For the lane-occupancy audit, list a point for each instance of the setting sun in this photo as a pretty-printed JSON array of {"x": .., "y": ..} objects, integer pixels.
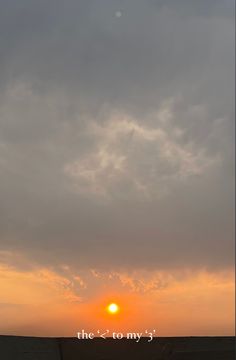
[{"x": 113, "y": 308}]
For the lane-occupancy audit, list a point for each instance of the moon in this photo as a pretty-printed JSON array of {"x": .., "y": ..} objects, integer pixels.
[{"x": 118, "y": 14}]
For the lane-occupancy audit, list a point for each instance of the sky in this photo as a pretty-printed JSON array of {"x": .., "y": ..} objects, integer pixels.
[{"x": 117, "y": 166}]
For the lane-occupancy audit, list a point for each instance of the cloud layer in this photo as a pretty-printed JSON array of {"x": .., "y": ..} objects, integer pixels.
[{"x": 116, "y": 145}]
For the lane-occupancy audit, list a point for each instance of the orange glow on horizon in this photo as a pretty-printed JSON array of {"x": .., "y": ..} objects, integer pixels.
[{"x": 42, "y": 302}]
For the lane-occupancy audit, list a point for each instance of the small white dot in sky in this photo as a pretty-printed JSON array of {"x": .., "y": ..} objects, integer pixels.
[{"x": 118, "y": 14}]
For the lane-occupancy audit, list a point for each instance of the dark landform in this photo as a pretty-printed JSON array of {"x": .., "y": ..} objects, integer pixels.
[{"x": 161, "y": 348}]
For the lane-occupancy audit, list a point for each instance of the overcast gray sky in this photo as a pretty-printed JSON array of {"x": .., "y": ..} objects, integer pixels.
[{"x": 116, "y": 133}]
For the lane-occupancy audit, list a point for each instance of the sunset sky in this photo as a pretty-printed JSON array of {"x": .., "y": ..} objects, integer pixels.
[{"x": 116, "y": 166}]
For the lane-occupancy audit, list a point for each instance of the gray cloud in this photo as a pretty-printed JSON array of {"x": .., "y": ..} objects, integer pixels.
[{"x": 116, "y": 145}]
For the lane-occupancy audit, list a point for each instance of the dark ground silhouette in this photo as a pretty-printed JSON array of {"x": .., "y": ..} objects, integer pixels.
[{"x": 172, "y": 348}]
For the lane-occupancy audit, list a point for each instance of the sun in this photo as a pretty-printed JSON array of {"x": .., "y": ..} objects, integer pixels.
[{"x": 113, "y": 308}]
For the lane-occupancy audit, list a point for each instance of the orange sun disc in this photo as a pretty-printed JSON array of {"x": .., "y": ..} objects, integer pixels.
[{"x": 113, "y": 308}]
